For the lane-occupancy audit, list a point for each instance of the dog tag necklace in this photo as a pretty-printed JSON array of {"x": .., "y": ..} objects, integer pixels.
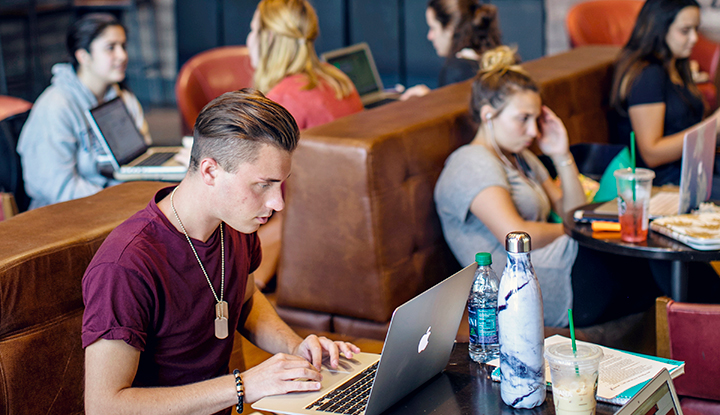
[{"x": 221, "y": 307}]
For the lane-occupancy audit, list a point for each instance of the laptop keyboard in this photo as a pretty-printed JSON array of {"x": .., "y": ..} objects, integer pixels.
[
  {"x": 664, "y": 204},
  {"x": 156, "y": 159},
  {"x": 349, "y": 398}
]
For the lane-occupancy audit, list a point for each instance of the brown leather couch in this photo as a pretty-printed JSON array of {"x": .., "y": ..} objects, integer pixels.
[
  {"x": 43, "y": 255},
  {"x": 361, "y": 235}
]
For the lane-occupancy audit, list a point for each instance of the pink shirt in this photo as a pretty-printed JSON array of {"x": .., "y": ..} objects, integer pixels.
[{"x": 315, "y": 106}]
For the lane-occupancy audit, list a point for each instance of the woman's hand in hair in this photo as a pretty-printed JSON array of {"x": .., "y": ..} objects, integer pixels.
[{"x": 552, "y": 135}]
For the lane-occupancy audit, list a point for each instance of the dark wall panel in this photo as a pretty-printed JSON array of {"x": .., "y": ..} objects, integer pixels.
[
  {"x": 523, "y": 24},
  {"x": 376, "y": 22},
  {"x": 236, "y": 18},
  {"x": 196, "y": 27},
  {"x": 331, "y": 15}
]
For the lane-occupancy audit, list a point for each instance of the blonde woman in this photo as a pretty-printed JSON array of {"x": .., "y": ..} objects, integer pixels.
[
  {"x": 495, "y": 185},
  {"x": 287, "y": 69}
]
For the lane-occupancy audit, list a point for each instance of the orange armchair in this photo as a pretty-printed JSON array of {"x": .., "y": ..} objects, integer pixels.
[
  {"x": 691, "y": 333},
  {"x": 602, "y": 22},
  {"x": 208, "y": 75}
]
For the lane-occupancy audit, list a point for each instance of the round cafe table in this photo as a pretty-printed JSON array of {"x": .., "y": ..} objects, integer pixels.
[{"x": 656, "y": 246}]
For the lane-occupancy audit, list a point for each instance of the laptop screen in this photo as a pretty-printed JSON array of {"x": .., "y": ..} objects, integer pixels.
[
  {"x": 660, "y": 403},
  {"x": 119, "y": 130},
  {"x": 697, "y": 165},
  {"x": 356, "y": 66}
]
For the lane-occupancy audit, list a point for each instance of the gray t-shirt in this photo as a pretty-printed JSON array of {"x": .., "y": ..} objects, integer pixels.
[{"x": 473, "y": 168}]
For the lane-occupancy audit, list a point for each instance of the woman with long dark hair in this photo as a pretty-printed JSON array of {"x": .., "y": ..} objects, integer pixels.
[
  {"x": 653, "y": 92},
  {"x": 61, "y": 157}
]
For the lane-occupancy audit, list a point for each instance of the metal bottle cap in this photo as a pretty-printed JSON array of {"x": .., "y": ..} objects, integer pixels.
[{"x": 517, "y": 242}]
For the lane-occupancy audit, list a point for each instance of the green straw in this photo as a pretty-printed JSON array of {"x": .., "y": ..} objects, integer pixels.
[
  {"x": 572, "y": 337},
  {"x": 632, "y": 160},
  {"x": 572, "y": 330},
  {"x": 632, "y": 151}
]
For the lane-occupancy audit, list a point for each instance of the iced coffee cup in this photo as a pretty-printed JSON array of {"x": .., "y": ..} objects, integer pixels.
[
  {"x": 633, "y": 202},
  {"x": 574, "y": 377}
]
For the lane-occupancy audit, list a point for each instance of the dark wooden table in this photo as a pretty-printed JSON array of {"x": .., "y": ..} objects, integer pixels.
[
  {"x": 656, "y": 246},
  {"x": 465, "y": 387}
]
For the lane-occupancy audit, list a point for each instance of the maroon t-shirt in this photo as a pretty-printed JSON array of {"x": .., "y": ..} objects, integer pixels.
[{"x": 144, "y": 286}]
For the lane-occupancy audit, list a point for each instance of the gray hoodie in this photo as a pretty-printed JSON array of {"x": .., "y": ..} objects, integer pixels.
[{"x": 60, "y": 154}]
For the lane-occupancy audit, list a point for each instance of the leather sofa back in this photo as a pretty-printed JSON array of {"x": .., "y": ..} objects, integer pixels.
[
  {"x": 361, "y": 235},
  {"x": 43, "y": 256}
]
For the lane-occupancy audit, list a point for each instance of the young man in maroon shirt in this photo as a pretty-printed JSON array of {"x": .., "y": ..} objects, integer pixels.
[{"x": 168, "y": 287}]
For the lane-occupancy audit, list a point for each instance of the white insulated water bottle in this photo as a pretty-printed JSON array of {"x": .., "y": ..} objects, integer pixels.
[{"x": 520, "y": 326}]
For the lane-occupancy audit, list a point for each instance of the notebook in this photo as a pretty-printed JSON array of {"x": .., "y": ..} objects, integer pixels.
[
  {"x": 128, "y": 154},
  {"x": 417, "y": 346},
  {"x": 357, "y": 63},
  {"x": 657, "y": 397},
  {"x": 695, "y": 178}
]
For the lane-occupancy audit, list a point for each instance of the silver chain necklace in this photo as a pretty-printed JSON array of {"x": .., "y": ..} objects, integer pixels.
[{"x": 221, "y": 307}]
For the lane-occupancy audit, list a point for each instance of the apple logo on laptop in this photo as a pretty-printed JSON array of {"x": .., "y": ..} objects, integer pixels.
[{"x": 424, "y": 340}]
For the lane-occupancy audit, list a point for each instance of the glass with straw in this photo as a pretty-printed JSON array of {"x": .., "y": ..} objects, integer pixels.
[
  {"x": 634, "y": 186},
  {"x": 574, "y": 373}
]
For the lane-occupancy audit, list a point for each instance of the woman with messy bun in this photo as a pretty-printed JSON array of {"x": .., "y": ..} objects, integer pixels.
[
  {"x": 460, "y": 31},
  {"x": 495, "y": 185},
  {"x": 287, "y": 69}
]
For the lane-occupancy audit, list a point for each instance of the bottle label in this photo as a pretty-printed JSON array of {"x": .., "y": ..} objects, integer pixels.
[{"x": 483, "y": 326}]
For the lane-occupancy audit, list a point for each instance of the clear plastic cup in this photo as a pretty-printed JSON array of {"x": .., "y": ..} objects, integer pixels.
[
  {"x": 574, "y": 377},
  {"x": 633, "y": 202}
]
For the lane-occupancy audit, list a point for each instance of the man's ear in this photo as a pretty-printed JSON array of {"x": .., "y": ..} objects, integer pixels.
[{"x": 208, "y": 170}]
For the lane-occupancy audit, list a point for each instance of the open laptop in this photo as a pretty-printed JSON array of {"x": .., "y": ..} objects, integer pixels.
[
  {"x": 418, "y": 345},
  {"x": 127, "y": 152},
  {"x": 357, "y": 63},
  {"x": 657, "y": 397},
  {"x": 695, "y": 179}
]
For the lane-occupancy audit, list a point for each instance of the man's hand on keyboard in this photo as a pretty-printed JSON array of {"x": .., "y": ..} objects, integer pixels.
[
  {"x": 278, "y": 375},
  {"x": 315, "y": 349}
]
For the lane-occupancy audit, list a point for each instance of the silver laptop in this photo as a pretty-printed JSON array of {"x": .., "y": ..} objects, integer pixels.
[
  {"x": 357, "y": 63},
  {"x": 696, "y": 175},
  {"x": 657, "y": 397},
  {"x": 417, "y": 347},
  {"x": 127, "y": 152}
]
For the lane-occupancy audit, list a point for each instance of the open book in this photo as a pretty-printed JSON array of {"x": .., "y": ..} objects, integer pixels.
[{"x": 622, "y": 374}]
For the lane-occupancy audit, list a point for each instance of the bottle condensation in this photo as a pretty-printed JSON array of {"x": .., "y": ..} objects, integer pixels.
[{"x": 482, "y": 311}]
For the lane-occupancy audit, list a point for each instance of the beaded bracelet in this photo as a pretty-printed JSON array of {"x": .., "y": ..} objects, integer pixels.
[{"x": 240, "y": 390}]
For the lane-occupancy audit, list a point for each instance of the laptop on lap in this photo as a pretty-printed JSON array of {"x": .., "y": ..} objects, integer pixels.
[
  {"x": 357, "y": 63},
  {"x": 417, "y": 347},
  {"x": 128, "y": 154}
]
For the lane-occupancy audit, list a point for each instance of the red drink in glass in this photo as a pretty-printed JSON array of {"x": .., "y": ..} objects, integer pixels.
[{"x": 633, "y": 226}]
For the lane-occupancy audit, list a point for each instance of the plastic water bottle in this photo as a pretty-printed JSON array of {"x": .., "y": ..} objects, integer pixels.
[
  {"x": 482, "y": 311},
  {"x": 520, "y": 323}
]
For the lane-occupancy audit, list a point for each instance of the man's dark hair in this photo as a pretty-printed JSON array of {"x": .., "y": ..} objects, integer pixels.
[{"x": 232, "y": 128}]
